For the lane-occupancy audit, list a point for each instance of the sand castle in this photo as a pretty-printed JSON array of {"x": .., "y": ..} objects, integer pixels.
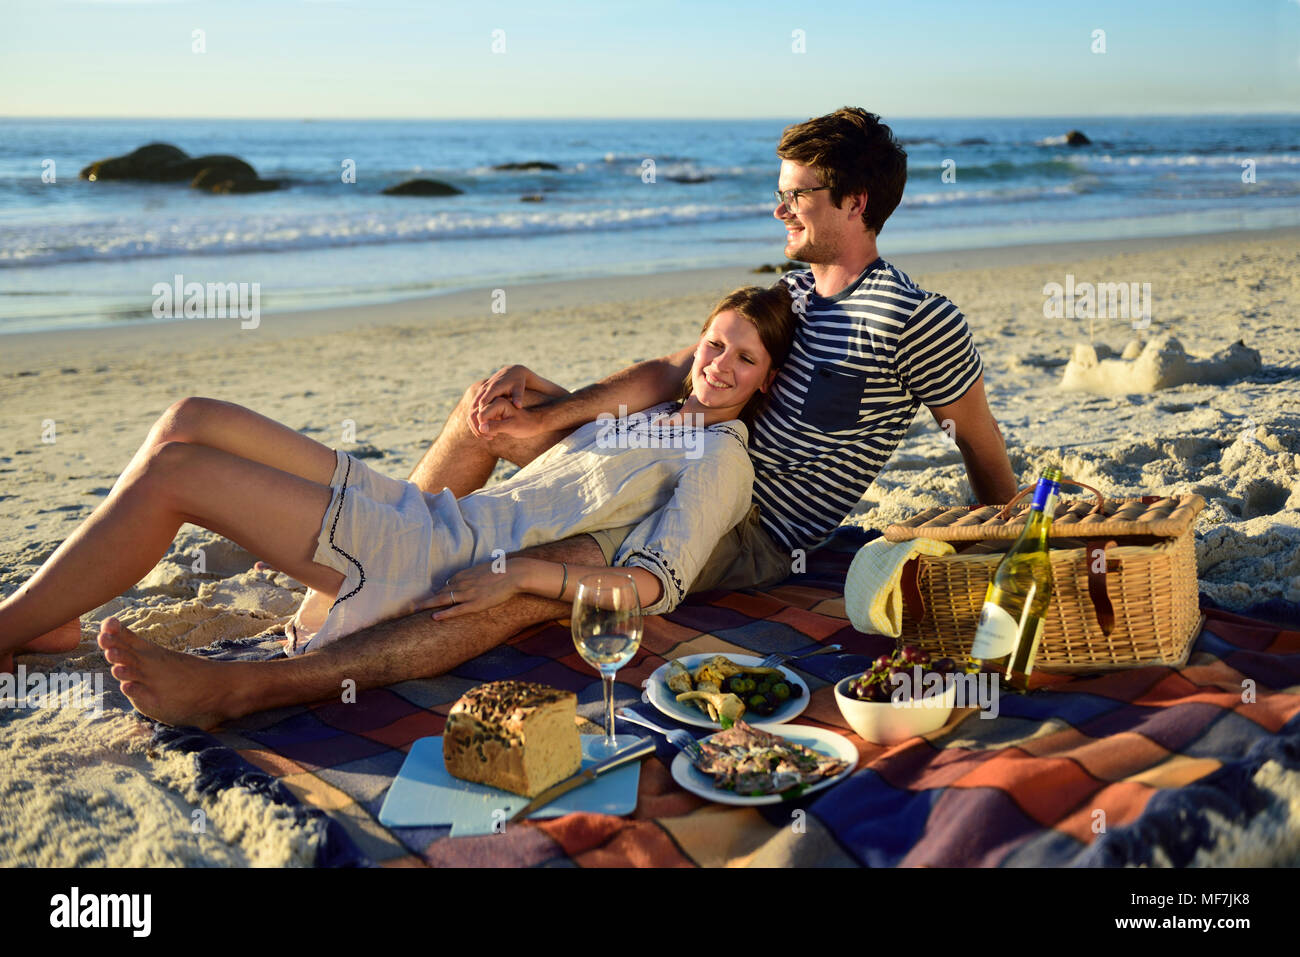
[{"x": 1161, "y": 363}]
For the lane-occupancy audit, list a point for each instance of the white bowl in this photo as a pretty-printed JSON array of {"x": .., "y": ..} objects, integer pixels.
[{"x": 884, "y": 722}]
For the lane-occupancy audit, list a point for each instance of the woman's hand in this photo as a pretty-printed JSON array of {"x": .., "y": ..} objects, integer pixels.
[
  {"x": 508, "y": 384},
  {"x": 501, "y": 417},
  {"x": 477, "y": 588}
]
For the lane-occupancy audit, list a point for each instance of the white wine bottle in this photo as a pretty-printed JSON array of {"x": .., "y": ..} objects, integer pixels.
[{"x": 1015, "y": 605}]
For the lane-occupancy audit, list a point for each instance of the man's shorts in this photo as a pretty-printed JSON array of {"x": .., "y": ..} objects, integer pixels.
[{"x": 745, "y": 557}]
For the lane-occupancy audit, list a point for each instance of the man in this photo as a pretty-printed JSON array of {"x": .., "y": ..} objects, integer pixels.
[{"x": 870, "y": 348}]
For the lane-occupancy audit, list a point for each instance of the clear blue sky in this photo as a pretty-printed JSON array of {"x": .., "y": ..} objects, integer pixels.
[{"x": 402, "y": 58}]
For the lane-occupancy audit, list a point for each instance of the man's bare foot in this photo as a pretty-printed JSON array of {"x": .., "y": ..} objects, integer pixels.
[
  {"x": 168, "y": 686},
  {"x": 64, "y": 638}
]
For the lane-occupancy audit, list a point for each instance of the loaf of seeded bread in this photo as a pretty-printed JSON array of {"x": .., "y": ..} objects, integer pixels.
[{"x": 514, "y": 735}]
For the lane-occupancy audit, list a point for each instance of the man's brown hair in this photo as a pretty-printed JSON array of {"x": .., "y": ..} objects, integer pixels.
[{"x": 851, "y": 151}]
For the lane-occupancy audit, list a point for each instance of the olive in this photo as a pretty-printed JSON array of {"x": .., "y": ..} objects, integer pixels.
[
  {"x": 757, "y": 701},
  {"x": 781, "y": 690}
]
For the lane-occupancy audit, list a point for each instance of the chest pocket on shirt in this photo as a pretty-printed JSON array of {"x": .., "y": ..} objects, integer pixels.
[{"x": 834, "y": 398}]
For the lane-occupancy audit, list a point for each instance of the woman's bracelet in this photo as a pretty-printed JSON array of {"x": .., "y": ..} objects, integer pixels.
[{"x": 564, "y": 584}]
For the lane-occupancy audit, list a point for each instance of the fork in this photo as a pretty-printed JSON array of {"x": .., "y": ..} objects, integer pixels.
[
  {"x": 777, "y": 658},
  {"x": 681, "y": 740}
]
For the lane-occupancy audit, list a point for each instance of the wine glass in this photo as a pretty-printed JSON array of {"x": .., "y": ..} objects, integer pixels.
[{"x": 606, "y": 625}]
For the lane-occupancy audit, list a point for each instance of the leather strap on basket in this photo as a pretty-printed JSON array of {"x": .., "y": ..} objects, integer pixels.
[
  {"x": 1097, "y": 589},
  {"x": 912, "y": 600}
]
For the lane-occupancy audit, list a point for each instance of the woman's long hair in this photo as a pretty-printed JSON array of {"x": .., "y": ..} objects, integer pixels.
[{"x": 771, "y": 310}]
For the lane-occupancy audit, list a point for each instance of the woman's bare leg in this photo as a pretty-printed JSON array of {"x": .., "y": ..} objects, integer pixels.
[
  {"x": 269, "y": 512},
  {"x": 219, "y": 425},
  {"x": 240, "y": 431}
]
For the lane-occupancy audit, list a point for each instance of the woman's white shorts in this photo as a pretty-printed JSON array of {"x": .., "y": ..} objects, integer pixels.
[{"x": 378, "y": 533}]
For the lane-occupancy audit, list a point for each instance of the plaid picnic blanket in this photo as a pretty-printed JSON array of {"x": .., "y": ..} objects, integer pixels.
[{"x": 1141, "y": 766}]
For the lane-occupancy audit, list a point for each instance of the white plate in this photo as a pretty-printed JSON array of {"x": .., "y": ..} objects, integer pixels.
[
  {"x": 665, "y": 699},
  {"x": 818, "y": 739}
]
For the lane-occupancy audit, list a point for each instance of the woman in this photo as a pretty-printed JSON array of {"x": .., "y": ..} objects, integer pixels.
[{"x": 371, "y": 548}]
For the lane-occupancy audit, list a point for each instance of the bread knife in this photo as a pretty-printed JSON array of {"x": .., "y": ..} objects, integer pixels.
[{"x": 633, "y": 752}]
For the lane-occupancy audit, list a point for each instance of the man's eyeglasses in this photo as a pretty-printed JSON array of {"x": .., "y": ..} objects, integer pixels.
[{"x": 790, "y": 197}]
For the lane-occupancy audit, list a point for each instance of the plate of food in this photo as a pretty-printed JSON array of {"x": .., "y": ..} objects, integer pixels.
[
  {"x": 750, "y": 765},
  {"x": 714, "y": 691}
]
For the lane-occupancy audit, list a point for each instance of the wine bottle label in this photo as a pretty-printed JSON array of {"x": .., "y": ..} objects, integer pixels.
[{"x": 997, "y": 633}]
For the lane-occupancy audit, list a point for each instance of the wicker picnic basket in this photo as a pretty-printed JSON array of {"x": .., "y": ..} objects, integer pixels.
[{"x": 1124, "y": 571}]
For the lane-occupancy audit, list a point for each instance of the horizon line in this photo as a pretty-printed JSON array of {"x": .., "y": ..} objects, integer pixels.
[{"x": 907, "y": 116}]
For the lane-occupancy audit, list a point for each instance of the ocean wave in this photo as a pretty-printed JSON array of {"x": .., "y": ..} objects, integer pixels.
[
  {"x": 1190, "y": 159},
  {"x": 972, "y": 197},
  {"x": 131, "y": 238},
  {"x": 1000, "y": 169},
  {"x": 123, "y": 239}
]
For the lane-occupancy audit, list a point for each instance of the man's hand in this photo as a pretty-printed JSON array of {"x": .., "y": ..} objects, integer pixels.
[
  {"x": 497, "y": 404},
  {"x": 476, "y": 588},
  {"x": 502, "y": 417},
  {"x": 507, "y": 384}
]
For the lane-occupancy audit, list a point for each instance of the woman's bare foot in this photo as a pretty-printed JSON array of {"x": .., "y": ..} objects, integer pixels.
[
  {"x": 168, "y": 686},
  {"x": 64, "y": 638}
]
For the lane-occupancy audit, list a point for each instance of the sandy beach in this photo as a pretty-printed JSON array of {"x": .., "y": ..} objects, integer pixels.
[{"x": 396, "y": 370}]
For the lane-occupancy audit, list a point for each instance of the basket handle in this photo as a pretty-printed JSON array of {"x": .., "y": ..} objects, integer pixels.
[
  {"x": 1100, "y": 507},
  {"x": 1098, "y": 591}
]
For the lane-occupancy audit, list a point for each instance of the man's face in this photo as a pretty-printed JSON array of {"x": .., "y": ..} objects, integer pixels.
[{"x": 813, "y": 234}]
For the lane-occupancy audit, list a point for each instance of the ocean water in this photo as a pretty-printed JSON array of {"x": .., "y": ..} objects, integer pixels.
[{"x": 75, "y": 253}]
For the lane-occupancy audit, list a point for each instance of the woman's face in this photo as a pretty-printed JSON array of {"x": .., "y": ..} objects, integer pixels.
[{"x": 730, "y": 362}]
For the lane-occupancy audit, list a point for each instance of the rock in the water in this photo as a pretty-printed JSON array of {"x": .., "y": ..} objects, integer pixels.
[
  {"x": 1161, "y": 364},
  {"x": 145, "y": 163},
  {"x": 422, "y": 187},
  {"x": 690, "y": 178},
  {"x": 786, "y": 266},
  {"x": 1072, "y": 138},
  {"x": 229, "y": 185},
  {"x": 534, "y": 198},
  {"x": 164, "y": 163},
  {"x": 187, "y": 170},
  {"x": 230, "y": 177},
  {"x": 524, "y": 167}
]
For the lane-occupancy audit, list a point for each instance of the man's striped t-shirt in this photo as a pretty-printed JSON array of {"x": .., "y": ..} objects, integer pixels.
[{"x": 862, "y": 363}]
